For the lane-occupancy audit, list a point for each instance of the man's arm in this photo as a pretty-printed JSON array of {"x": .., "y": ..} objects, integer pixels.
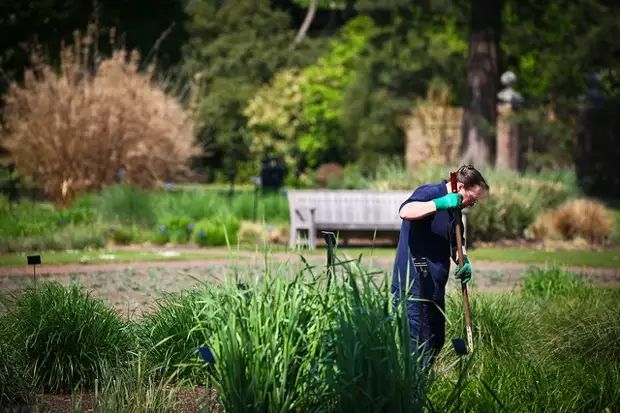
[
  {"x": 415, "y": 210},
  {"x": 419, "y": 206}
]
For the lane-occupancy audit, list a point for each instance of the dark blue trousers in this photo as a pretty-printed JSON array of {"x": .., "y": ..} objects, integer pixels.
[{"x": 427, "y": 323}]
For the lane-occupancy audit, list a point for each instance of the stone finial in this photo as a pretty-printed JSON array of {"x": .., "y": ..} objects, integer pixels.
[{"x": 508, "y": 94}]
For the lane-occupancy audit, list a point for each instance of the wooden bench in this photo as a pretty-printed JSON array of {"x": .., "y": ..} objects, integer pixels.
[{"x": 312, "y": 211}]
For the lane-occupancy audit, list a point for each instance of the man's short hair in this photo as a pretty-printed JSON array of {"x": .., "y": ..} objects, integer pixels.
[{"x": 470, "y": 177}]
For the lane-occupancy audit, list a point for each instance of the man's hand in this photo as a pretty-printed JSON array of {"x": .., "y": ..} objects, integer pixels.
[
  {"x": 448, "y": 201},
  {"x": 464, "y": 274}
]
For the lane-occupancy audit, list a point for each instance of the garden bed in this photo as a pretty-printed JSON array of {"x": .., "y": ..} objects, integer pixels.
[{"x": 284, "y": 336}]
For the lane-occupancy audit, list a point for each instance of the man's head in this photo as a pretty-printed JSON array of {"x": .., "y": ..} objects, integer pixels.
[{"x": 471, "y": 185}]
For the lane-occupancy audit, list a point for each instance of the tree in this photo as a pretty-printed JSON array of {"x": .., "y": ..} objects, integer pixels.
[
  {"x": 483, "y": 64},
  {"x": 234, "y": 48}
]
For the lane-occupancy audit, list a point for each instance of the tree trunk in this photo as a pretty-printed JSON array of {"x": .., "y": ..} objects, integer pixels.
[
  {"x": 307, "y": 22},
  {"x": 479, "y": 115}
]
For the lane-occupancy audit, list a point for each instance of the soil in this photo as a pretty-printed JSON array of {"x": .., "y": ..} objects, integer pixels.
[{"x": 186, "y": 400}]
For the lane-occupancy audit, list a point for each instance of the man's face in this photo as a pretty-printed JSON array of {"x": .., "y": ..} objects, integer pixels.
[{"x": 470, "y": 195}]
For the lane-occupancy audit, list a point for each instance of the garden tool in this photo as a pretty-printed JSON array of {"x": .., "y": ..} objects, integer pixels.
[{"x": 459, "y": 345}]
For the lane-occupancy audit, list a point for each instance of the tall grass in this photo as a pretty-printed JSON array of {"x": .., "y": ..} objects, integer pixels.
[
  {"x": 69, "y": 338},
  {"x": 289, "y": 342}
]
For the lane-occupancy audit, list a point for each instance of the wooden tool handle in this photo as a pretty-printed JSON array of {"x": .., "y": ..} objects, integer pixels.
[{"x": 459, "y": 250}]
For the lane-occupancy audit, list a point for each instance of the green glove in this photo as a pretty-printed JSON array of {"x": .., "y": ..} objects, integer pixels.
[
  {"x": 464, "y": 274},
  {"x": 448, "y": 201}
]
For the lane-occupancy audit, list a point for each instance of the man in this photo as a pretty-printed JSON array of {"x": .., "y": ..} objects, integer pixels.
[{"x": 426, "y": 244}]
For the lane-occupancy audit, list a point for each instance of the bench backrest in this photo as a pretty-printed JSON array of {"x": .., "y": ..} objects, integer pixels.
[{"x": 350, "y": 208}]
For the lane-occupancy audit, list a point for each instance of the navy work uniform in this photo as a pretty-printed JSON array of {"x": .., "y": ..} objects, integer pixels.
[{"x": 421, "y": 270}]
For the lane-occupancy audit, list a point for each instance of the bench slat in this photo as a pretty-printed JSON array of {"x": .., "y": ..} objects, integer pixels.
[{"x": 314, "y": 210}]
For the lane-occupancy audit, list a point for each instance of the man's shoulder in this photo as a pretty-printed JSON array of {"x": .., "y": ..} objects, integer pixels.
[{"x": 430, "y": 189}]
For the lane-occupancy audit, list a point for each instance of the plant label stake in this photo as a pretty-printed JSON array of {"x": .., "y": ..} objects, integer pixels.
[
  {"x": 330, "y": 239},
  {"x": 34, "y": 260},
  {"x": 458, "y": 346}
]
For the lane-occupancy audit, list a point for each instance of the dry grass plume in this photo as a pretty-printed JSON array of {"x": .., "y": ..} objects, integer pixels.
[
  {"x": 577, "y": 218},
  {"x": 74, "y": 128}
]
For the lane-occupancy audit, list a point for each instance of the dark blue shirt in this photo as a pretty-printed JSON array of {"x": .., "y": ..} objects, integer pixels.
[{"x": 432, "y": 237}]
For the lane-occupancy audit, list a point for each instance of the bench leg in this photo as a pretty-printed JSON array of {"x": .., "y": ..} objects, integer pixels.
[
  {"x": 312, "y": 231},
  {"x": 292, "y": 238}
]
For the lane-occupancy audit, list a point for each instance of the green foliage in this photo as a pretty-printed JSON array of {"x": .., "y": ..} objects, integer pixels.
[
  {"x": 27, "y": 219},
  {"x": 401, "y": 61},
  {"x": 323, "y": 88},
  {"x": 15, "y": 379},
  {"x": 176, "y": 230},
  {"x": 368, "y": 347},
  {"x": 553, "y": 49},
  {"x": 69, "y": 337},
  {"x": 512, "y": 205},
  {"x": 235, "y": 47},
  {"x": 168, "y": 339},
  {"x": 304, "y": 106},
  {"x": 126, "y": 204},
  {"x": 217, "y": 231},
  {"x": 552, "y": 283},
  {"x": 125, "y": 235},
  {"x": 289, "y": 342}
]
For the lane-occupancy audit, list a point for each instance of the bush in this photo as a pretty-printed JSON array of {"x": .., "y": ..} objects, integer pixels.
[
  {"x": 177, "y": 230},
  {"x": 116, "y": 120},
  {"x": 219, "y": 231},
  {"x": 125, "y": 235},
  {"x": 576, "y": 218},
  {"x": 68, "y": 337}
]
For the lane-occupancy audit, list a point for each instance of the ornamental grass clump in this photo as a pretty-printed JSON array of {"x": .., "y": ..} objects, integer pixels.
[
  {"x": 69, "y": 338},
  {"x": 82, "y": 126},
  {"x": 290, "y": 343}
]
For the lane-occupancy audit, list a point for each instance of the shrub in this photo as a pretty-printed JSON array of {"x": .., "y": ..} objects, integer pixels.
[
  {"x": 576, "y": 218},
  {"x": 68, "y": 337},
  {"x": 125, "y": 235},
  {"x": 179, "y": 228},
  {"x": 87, "y": 124},
  {"x": 217, "y": 231}
]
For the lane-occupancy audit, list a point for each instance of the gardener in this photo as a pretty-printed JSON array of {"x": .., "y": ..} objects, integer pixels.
[{"x": 426, "y": 244}]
